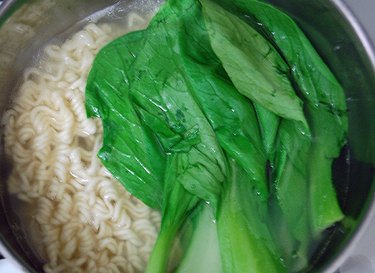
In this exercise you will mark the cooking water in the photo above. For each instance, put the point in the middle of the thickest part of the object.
(361, 261)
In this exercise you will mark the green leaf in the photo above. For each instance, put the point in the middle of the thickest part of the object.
(269, 125)
(196, 108)
(128, 76)
(202, 251)
(179, 203)
(254, 66)
(323, 97)
(325, 108)
(130, 151)
(230, 114)
(148, 78)
(292, 191)
(244, 236)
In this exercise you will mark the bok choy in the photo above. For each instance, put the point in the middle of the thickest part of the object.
(224, 125)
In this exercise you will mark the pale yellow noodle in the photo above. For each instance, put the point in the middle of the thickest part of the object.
(87, 221)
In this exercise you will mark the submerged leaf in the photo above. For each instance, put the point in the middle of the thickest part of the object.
(254, 66)
(208, 106)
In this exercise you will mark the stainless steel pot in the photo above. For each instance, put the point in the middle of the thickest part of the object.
(337, 36)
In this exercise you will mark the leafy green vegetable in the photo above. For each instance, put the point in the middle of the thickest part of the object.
(130, 151)
(303, 161)
(209, 113)
(292, 189)
(287, 155)
(230, 115)
(243, 234)
(324, 99)
(269, 125)
(252, 61)
(235, 124)
(163, 104)
(203, 252)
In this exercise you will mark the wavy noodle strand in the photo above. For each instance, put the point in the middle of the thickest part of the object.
(87, 221)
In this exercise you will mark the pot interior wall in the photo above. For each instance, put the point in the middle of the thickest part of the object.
(338, 44)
